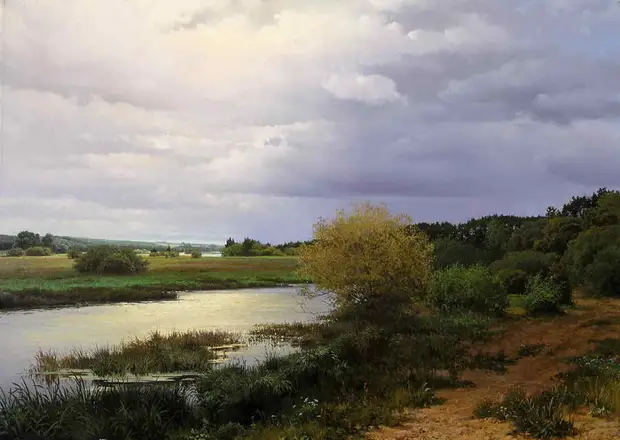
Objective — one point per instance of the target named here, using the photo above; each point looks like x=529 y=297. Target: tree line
x=254 y=248
x=578 y=244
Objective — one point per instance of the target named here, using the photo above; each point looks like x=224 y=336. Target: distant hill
x=66 y=242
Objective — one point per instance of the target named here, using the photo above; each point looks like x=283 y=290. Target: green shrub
x=514 y=281
x=524 y=237
x=73 y=253
x=450 y=252
x=559 y=276
x=558 y=233
x=530 y=262
x=39 y=251
x=107 y=259
x=15 y=252
x=196 y=253
x=582 y=252
x=474 y=289
x=543 y=296
x=602 y=276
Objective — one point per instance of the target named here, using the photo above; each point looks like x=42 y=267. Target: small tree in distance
x=107 y=259
x=369 y=260
x=73 y=253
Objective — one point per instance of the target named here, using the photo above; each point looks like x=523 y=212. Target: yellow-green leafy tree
x=368 y=259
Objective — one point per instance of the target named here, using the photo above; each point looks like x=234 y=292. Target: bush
x=15 y=252
x=516 y=268
x=514 y=281
x=583 y=250
x=603 y=275
x=449 y=252
x=543 y=296
x=73 y=253
x=39 y=251
x=524 y=238
x=560 y=277
x=474 y=289
x=196 y=253
x=108 y=259
x=558 y=233
x=369 y=260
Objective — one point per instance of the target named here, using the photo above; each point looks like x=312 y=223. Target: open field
x=27 y=282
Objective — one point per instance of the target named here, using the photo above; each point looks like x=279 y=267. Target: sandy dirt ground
x=565 y=336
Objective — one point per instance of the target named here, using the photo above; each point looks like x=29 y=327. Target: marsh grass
x=30 y=282
x=33 y=411
x=157 y=353
x=297 y=334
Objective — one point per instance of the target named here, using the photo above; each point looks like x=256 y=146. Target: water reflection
x=22 y=334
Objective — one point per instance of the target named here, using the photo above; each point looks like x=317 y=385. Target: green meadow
x=27 y=282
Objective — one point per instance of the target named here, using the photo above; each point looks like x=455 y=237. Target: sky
x=203 y=119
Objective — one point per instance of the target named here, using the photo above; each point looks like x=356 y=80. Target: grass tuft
x=542 y=415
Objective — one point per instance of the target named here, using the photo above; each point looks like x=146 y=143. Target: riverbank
x=37 y=282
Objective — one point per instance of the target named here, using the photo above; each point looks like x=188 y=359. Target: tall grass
x=32 y=411
x=542 y=415
x=190 y=351
x=298 y=334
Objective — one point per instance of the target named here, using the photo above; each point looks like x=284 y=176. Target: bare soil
x=564 y=336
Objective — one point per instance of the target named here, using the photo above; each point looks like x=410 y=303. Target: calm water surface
x=22 y=334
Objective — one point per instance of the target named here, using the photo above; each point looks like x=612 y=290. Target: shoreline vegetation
x=44 y=282
x=176 y=352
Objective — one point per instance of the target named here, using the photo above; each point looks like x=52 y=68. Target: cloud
x=205 y=119
x=371 y=89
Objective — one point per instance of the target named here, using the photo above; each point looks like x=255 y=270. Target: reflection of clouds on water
x=24 y=333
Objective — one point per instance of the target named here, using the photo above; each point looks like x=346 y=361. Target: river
x=23 y=333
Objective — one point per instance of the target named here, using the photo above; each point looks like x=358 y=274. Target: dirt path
x=565 y=336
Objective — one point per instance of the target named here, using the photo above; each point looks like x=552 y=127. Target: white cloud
x=370 y=89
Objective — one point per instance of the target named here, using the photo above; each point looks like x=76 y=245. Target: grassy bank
x=30 y=282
